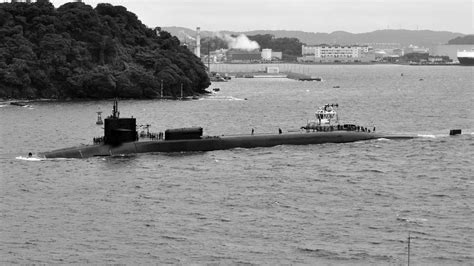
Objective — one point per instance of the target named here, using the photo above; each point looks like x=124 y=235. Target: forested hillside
x=76 y=51
x=468 y=39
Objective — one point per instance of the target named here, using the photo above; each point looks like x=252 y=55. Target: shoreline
x=335 y=63
x=20 y=101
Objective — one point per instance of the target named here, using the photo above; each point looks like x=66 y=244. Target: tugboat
x=121 y=137
x=327 y=119
x=325 y=116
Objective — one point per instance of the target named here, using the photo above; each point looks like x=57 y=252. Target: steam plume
x=241 y=42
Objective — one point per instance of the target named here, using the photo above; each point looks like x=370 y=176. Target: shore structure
x=336 y=54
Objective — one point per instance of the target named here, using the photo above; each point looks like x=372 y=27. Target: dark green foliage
x=77 y=51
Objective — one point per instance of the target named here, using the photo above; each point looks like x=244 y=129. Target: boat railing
x=344 y=127
x=151 y=135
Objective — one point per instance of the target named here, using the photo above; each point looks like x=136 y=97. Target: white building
x=267 y=54
x=270 y=55
x=336 y=53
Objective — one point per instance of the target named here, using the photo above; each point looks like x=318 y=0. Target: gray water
x=350 y=203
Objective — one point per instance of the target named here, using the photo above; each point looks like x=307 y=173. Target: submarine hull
x=211 y=143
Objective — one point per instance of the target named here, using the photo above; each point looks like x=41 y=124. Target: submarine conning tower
x=119 y=130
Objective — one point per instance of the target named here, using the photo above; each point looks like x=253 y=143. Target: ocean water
x=351 y=203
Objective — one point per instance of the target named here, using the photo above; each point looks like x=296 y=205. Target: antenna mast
x=115 y=112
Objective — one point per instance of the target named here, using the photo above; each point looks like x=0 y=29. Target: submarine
x=121 y=137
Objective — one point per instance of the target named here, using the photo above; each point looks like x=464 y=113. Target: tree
x=77 y=51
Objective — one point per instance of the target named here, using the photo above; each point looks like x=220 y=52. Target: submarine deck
x=209 y=143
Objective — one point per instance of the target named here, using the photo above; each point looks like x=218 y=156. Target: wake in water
x=222 y=98
x=430 y=136
x=434 y=136
x=420 y=136
x=414 y=220
x=28 y=158
x=37 y=159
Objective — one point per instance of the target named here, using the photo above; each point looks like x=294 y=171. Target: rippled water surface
x=332 y=203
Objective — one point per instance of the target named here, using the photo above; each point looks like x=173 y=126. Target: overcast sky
x=307 y=15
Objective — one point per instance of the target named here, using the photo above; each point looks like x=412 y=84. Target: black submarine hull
x=210 y=143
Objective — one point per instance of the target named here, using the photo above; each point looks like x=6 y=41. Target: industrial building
x=415 y=49
x=389 y=55
x=267 y=54
x=243 y=56
x=270 y=55
x=233 y=55
x=336 y=53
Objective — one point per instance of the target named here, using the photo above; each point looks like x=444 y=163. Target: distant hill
x=468 y=39
x=403 y=37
